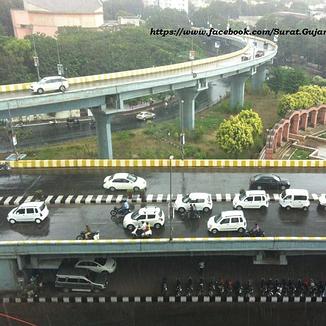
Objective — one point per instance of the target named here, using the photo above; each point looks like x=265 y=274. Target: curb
x=165 y=163
x=161 y=299
x=111 y=199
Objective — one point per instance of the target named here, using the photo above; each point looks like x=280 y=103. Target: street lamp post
x=170 y=199
x=182 y=134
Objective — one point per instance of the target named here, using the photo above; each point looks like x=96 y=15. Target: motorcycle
x=255 y=233
x=92 y=236
x=139 y=232
x=5 y=167
x=164 y=290
x=118 y=213
x=178 y=288
x=190 y=287
x=212 y=288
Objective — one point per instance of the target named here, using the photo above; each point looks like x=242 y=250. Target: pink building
x=46 y=16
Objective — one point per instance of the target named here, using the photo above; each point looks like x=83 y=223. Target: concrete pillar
x=237 y=91
x=294 y=124
x=8 y=275
x=213 y=92
x=322 y=115
x=303 y=121
x=120 y=102
x=187 y=98
x=258 y=79
x=103 y=132
x=313 y=118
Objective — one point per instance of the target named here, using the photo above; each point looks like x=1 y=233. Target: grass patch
x=323 y=135
x=162 y=139
x=301 y=154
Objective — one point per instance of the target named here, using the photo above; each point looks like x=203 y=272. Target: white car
x=124 y=181
x=29 y=212
x=50 y=84
x=322 y=200
x=98 y=265
x=151 y=214
x=201 y=200
x=144 y=115
x=251 y=199
x=295 y=198
x=227 y=221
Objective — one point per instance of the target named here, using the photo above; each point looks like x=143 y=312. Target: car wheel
x=214 y=231
x=38 y=221
x=113 y=212
x=258 y=187
x=241 y=230
x=112 y=189
x=181 y=210
x=62 y=88
x=136 y=189
x=130 y=227
x=305 y=208
x=157 y=226
x=239 y=208
x=40 y=91
x=12 y=221
x=263 y=207
x=288 y=208
x=206 y=210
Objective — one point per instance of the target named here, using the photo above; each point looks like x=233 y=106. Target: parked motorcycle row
x=246 y=289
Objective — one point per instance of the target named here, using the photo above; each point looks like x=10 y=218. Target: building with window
x=46 y=16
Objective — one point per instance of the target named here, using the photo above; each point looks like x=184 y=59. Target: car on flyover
x=145 y=115
x=268 y=182
x=50 y=84
x=97 y=265
x=124 y=181
x=202 y=202
x=149 y=214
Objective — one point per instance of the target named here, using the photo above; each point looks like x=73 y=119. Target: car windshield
x=135 y=215
x=91 y=276
x=217 y=217
x=283 y=194
x=277 y=178
x=186 y=199
x=132 y=177
x=242 y=196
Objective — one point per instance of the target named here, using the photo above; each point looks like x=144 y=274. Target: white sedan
x=98 y=265
x=124 y=181
x=322 y=200
x=144 y=115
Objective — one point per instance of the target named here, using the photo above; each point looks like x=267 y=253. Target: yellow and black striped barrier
x=165 y=163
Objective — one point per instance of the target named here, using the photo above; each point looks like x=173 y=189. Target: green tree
x=253 y=120
x=234 y=135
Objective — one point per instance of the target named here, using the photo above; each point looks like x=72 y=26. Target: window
x=234 y=220
x=83 y=281
x=288 y=197
x=249 y=199
x=151 y=216
x=297 y=197
x=21 y=211
x=200 y=200
x=225 y=221
x=258 y=198
x=30 y=210
x=42 y=207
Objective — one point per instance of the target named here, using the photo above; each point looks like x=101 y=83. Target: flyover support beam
x=237 y=91
x=187 y=98
x=8 y=275
x=103 y=132
x=258 y=79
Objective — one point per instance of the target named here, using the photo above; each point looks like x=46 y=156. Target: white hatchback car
x=50 y=84
x=29 y=212
x=201 y=200
x=251 y=199
x=151 y=214
x=124 y=181
x=227 y=221
x=98 y=265
x=295 y=198
x=144 y=115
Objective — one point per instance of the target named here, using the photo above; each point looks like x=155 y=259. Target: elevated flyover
x=105 y=94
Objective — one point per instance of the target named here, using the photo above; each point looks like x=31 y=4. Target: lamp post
x=36 y=59
x=182 y=134
x=170 y=199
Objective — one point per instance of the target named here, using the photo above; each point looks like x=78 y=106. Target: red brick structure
x=291 y=124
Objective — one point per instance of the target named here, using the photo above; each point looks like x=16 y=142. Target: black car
x=268 y=181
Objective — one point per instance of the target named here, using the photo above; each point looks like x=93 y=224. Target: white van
x=251 y=199
x=227 y=221
x=201 y=200
x=295 y=198
x=29 y=212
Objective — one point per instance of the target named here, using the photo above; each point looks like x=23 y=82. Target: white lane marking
x=17 y=200
x=98 y=199
x=58 y=199
x=314 y=196
x=28 y=199
x=159 y=198
x=109 y=199
x=276 y=197
x=119 y=198
x=68 y=199
x=227 y=197
x=48 y=198
x=6 y=202
x=149 y=198
x=88 y=199
x=218 y=197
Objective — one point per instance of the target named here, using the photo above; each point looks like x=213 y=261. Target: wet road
x=66 y=221
x=90 y=181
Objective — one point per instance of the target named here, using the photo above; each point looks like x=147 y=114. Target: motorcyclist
x=88 y=232
x=124 y=209
x=256 y=229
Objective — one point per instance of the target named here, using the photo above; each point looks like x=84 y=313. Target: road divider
x=111 y=199
x=165 y=163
